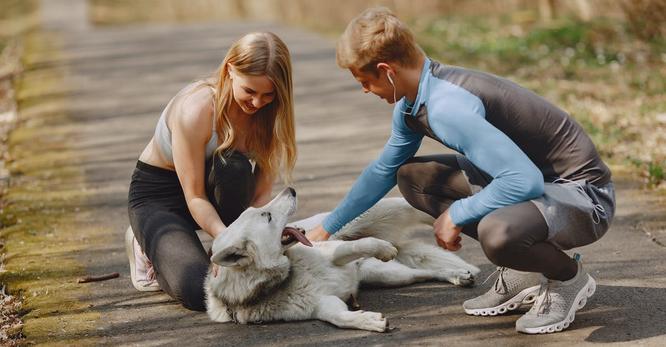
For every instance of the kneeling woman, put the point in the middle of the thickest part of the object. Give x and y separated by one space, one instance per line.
217 149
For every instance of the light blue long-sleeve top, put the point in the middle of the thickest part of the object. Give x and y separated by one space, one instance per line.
458 118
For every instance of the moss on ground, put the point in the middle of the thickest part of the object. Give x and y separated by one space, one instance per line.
41 215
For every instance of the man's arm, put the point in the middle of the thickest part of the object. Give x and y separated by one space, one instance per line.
378 177
461 123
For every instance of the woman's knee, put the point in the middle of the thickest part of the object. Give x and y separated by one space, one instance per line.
231 179
195 303
189 291
236 163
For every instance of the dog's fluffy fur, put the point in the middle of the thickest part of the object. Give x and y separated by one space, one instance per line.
260 279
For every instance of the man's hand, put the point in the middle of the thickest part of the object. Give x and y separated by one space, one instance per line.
318 234
447 234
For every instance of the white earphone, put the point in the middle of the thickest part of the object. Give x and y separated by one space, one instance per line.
394 92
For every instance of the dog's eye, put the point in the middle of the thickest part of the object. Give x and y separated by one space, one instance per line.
267 215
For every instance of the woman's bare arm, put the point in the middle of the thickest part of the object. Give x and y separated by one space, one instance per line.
191 124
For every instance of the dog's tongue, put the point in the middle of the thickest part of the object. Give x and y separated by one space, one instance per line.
297 234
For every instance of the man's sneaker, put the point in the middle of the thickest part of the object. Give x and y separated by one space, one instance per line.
142 272
557 303
511 290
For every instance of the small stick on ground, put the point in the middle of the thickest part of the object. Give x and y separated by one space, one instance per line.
87 279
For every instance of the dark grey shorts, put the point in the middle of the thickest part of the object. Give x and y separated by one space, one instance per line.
577 213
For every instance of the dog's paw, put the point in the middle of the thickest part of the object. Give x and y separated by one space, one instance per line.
372 321
219 316
463 278
385 251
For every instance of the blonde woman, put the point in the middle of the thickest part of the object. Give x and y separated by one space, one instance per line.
218 147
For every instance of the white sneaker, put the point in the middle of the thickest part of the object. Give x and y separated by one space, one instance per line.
142 272
557 303
512 289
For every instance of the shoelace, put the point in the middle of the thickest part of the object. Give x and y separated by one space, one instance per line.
499 282
598 211
150 271
151 276
543 300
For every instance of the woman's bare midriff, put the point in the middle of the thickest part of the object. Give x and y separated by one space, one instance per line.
152 155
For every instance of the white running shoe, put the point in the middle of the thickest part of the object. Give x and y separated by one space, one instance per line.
557 303
142 272
512 289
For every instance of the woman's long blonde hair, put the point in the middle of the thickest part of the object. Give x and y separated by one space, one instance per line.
271 140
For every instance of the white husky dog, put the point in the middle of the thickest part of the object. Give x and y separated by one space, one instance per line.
263 278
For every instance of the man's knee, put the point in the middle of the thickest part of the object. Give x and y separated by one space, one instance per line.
408 183
498 241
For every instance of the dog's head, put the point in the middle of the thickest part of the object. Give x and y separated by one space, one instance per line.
259 236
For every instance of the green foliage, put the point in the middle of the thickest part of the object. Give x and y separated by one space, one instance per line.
468 41
655 173
601 72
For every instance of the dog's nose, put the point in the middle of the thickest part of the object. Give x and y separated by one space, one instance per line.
292 191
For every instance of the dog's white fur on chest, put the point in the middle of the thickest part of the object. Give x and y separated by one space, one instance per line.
265 274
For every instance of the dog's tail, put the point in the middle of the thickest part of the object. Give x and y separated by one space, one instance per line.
391 219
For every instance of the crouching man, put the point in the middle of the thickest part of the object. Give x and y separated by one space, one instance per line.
527 183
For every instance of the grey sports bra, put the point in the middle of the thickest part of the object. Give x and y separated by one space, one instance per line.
163 133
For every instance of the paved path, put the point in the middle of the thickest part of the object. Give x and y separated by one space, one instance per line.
116 82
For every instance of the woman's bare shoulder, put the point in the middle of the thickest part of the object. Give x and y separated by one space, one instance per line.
193 107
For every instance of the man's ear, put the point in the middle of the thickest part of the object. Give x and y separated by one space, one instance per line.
385 69
235 255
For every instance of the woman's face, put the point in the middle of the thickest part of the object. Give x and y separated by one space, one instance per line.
251 92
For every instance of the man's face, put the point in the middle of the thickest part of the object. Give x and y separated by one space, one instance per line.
378 85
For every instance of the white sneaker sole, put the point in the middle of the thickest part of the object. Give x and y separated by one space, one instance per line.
581 299
129 249
525 297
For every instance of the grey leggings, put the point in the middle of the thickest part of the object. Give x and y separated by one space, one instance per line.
166 231
513 236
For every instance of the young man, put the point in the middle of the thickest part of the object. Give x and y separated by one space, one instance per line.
528 183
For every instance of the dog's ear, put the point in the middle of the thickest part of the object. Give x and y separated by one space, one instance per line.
231 256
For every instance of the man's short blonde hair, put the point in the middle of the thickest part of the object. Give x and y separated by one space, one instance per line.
374 36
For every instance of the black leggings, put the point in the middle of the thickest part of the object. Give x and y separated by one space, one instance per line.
513 236
166 231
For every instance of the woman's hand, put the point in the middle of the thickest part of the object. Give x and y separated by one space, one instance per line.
318 234
447 233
